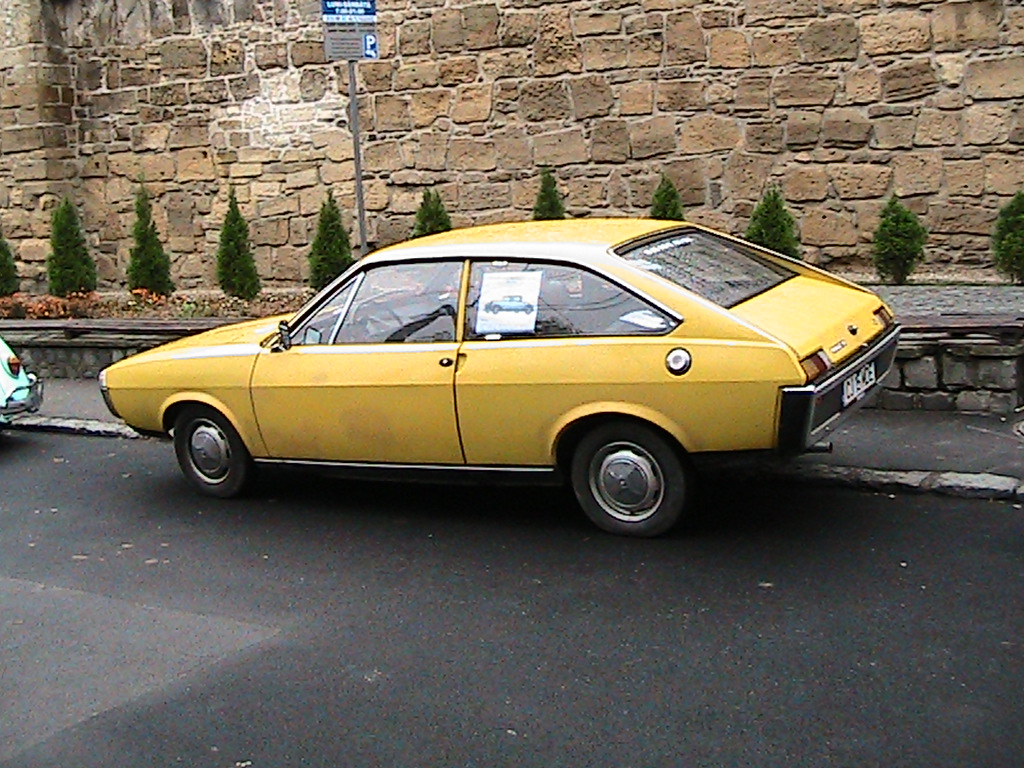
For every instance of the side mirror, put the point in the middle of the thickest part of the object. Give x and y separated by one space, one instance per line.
285 333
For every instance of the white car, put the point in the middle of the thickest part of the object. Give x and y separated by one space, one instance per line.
20 391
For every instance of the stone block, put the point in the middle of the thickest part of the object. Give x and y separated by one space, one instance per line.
894 132
965 178
472 155
480 26
909 80
998 375
987 123
184 57
728 48
414 37
744 175
893 400
996 78
957 218
560 148
803 89
1003 173
458 70
981 400
427 106
937 128
556 51
645 50
777 48
803 129
855 181
601 54
680 95
763 137
589 23
684 39
472 104
591 97
937 401
845 127
833 39
544 100
704 133
921 373
821 226
917 173
753 92
766 10
966 25
652 137
636 98
895 32
805 182
609 142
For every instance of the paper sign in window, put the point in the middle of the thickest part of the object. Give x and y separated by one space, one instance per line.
508 302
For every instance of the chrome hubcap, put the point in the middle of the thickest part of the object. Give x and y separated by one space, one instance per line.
209 451
627 482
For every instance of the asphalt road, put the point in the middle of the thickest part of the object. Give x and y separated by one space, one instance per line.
321 623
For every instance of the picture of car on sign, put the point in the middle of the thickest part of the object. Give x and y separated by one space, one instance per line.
508 304
620 352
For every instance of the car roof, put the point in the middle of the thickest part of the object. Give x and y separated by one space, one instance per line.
576 238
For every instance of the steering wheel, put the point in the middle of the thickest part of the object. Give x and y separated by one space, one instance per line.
373 323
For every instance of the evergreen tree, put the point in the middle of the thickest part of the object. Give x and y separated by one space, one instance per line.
148 266
9 282
1008 239
69 267
772 226
331 253
666 204
431 216
236 269
899 242
549 203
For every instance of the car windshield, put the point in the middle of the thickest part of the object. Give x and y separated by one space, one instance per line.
717 269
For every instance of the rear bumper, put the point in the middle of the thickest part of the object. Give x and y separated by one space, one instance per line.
24 399
811 411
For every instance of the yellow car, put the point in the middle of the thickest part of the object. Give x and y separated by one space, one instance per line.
636 346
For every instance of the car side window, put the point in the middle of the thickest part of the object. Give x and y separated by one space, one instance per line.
409 302
320 328
540 300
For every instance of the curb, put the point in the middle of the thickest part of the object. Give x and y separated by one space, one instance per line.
966 485
91 427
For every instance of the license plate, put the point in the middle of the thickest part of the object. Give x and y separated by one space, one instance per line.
859 383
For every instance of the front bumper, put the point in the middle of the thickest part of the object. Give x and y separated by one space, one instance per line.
24 399
811 411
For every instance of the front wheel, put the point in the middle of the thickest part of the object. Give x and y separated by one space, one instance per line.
630 480
210 453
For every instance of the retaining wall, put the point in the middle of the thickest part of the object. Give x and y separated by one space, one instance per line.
970 364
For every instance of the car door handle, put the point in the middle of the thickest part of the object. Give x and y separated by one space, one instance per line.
446 362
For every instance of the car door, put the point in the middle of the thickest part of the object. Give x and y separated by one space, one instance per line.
542 340
369 375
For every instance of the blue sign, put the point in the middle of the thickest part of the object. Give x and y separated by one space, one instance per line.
349 11
370 49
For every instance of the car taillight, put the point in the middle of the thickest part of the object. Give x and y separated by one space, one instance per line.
14 365
816 364
884 316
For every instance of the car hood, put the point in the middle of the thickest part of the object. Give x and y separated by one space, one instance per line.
247 332
808 313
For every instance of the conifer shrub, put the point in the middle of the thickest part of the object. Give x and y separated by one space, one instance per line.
899 242
772 226
1008 239
431 216
236 269
69 267
549 204
666 204
149 267
9 282
331 253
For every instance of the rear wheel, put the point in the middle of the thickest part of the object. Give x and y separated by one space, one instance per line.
630 480
210 452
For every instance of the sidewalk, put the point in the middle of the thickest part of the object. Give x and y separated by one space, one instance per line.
969 455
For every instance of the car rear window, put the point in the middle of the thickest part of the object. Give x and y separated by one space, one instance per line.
721 271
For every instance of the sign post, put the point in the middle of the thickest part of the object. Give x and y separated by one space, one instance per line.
350 34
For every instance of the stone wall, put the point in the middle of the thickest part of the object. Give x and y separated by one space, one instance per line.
840 102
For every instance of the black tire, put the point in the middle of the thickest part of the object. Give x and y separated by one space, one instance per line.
210 453
630 480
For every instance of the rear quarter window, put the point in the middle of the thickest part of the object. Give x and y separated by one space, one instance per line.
717 269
